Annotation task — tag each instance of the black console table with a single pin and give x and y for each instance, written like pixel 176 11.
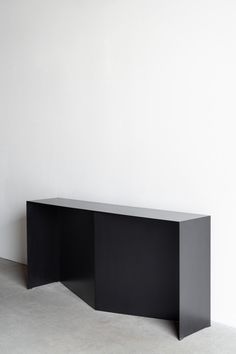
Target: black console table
pixel 129 260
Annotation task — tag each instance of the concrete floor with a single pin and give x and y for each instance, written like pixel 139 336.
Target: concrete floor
pixel 51 319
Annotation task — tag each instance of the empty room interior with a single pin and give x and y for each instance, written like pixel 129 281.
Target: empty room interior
pixel 117 177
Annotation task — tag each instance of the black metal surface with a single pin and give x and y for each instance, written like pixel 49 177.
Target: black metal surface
pixel 136 266
pixel 123 263
pixel 119 209
pixel 43 244
pixel 194 287
pixel 77 253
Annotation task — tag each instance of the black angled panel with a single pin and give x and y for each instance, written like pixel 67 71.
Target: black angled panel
pixel 77 252
pixel 137 266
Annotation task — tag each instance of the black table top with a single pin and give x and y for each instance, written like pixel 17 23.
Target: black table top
pixel 120 209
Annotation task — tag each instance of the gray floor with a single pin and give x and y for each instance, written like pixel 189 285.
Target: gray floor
pixel 51 319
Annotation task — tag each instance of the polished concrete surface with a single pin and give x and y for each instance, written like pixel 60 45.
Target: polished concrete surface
pixel 51 319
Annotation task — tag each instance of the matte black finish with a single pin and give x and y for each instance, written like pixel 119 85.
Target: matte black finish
pixel 194 286
pixel 120 209
pixel 77 252
pixel 43 244
pixel 136 266
pixel 122 259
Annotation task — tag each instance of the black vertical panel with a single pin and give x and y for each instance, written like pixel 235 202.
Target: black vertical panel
pixel 43 244
pixel 136 262
pixel 77 252
pixel 194 270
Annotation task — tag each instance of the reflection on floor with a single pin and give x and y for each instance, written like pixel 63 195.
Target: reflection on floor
pixel 51 319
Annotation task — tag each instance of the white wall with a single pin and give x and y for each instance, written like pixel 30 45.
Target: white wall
pixel 123 101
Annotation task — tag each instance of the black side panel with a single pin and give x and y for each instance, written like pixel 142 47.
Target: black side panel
pixel 136 263
pixel 43 244
pixel 77 256
pixel 194 285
